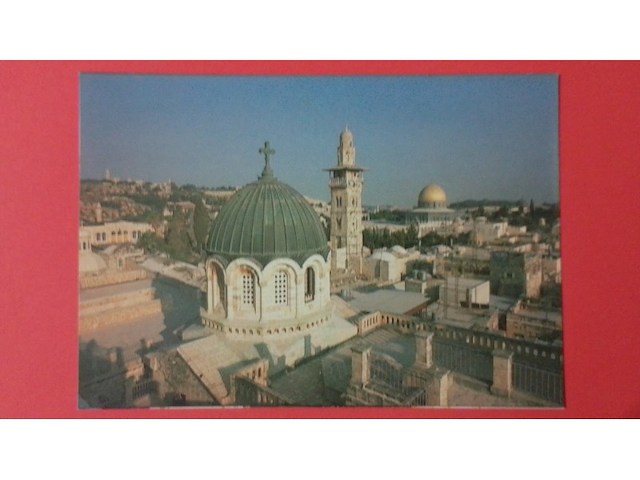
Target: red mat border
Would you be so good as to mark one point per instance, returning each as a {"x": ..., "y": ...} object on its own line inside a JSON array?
[{"x": 599, "y": 178}]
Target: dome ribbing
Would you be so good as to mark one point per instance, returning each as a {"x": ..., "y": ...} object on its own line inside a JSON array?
[{"x": 264, "y": 220}]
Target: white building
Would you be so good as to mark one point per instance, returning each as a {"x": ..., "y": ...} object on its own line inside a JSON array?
[
  {"x": 465, "y": 292},
  {"x": 486, "y": 232},
  {"x": 116, "y": 232},
  {"x": 389, "y": 265}
]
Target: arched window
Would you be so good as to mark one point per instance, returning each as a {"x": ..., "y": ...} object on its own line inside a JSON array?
[
  {"x": 215, "y": 287},
  {"x": 309, "y": 284},
  {"x": 221, "y": 287},
  {"x": 281, "y": 288},
  {"x": 248, "y": 288}
]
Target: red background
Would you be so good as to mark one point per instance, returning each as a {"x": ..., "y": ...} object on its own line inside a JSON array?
[{"x": 39, "y": 188}]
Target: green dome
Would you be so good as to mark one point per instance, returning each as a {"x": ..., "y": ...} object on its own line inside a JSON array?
[{"x": 264, "y": 220}]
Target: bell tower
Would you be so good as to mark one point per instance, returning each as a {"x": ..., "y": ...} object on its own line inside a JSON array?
[{"x": 345, "y": 182}]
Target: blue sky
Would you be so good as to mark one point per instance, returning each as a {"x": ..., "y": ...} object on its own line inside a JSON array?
[{"x": 476, "y": 136}]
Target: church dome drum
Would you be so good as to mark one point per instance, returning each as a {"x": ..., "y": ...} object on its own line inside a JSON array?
[{"x": 267, "y": 262}]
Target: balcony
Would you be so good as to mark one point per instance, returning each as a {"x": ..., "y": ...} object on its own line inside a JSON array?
[{"x": 338, "y": 182}]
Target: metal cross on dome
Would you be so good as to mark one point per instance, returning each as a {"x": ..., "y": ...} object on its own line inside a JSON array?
[{"x": 268, "y": 152}]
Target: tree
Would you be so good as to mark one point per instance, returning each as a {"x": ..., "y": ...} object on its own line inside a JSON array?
[
  {"x": 150, "y": 242},
  {"x": 200, "y": 224},
  {"x": 480, "y": 212},
  {"x": 411, "y": 237}
]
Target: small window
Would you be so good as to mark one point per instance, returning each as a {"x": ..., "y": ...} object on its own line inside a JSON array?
[
  {"x": 248, "y": 288},
  {"x": 310, "y": 285},
  {"x": 281, "y": 288}
]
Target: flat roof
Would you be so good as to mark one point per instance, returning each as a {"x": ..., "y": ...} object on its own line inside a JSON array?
[
  {"x": 501, "y": 303},
  {"x": 540, "y": 314},
  {"x": 466, "y": 282},
  {"x": 386, "y": 300}
]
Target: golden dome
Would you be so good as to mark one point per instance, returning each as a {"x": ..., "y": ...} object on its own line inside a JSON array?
[{"x": 432, "y": 196}]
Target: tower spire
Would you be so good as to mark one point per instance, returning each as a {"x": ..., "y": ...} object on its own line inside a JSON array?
[{"x": 345, "y": 183}]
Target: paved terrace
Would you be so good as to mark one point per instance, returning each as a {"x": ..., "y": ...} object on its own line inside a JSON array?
[
  {"x": 307, "y": 385},
  {"x": 180, "y": 305}
]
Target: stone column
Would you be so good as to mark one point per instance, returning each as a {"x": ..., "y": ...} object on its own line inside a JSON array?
[
  {"x": 424, "y": 349},
  {"x": 210, "y": 289},
  {"x": 438, "y": 389},
  {"x": 151, "y": 361},
  {"x": 360, "y": 365},
  {"x": 128, "y": 392},
  {"x": 502, "y": 373}
]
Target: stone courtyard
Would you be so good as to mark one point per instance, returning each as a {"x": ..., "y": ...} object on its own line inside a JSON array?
[{"x": 121, "y": 324}]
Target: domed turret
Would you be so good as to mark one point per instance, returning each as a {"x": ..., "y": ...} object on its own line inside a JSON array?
[
  {"x": 346, "y": 149},
  {"x": 432, "y": 196},
  {"x": 264, "y": 220},
  {"x": 267, "y": 265}
]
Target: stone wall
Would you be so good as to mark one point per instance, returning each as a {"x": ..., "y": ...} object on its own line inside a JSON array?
[
  {"x": 508, "y": 364},
  {"x": 115, "y": 309},
  {"x": 113, "y": 278},
  {"x": 107, "y": 378},
  {"x": 521, "y": 326},
  {"x": 379, "y": 380},
  {"x": 248, "y": 392},
  {"x": 371, "y": 321}
]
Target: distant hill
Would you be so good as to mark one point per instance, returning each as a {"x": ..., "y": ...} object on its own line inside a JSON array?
[{"x": 485, "y": 203}]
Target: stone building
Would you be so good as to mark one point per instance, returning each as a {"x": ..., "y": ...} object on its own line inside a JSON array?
[
  {"x": 552, "y": 269},
  {"x": 116, "y": 232},
  {"x": 268, "y": 262},
  {"x": 515, "y": 274},
  {"x": 268, "y": 292},
  {"x": 389, "y": 265},
  {"x": 89, "y": 262},
  {"x": 532, "y": 322},
  {"x": 484, "y": 232},
  {"x": 465, "y": 292},
  {"x": 346, "y": 181}
]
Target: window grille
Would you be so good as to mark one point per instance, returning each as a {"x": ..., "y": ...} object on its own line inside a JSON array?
[
  {"x": 281, "y": 288},
  {"x": 248, "y": 289}
]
